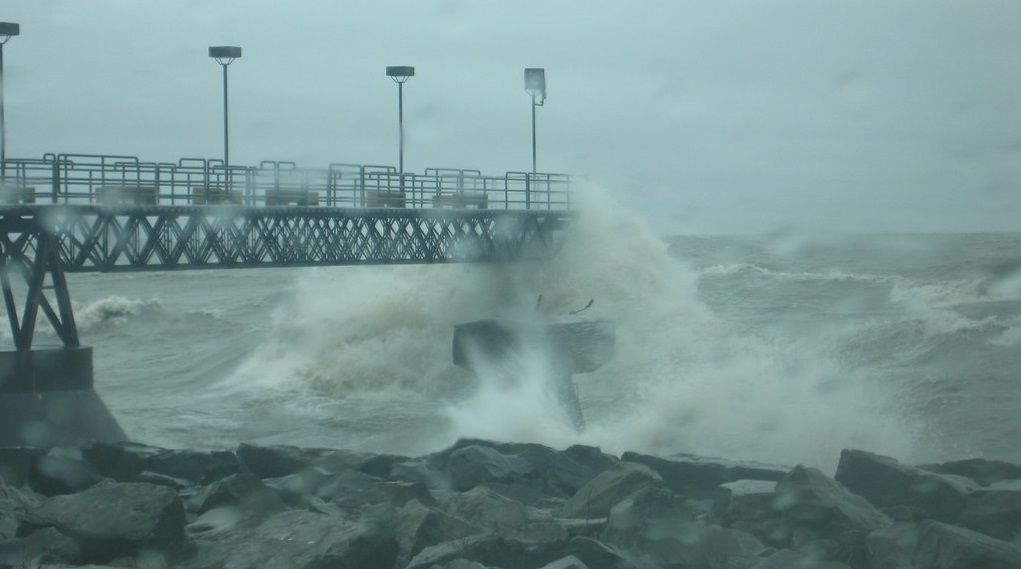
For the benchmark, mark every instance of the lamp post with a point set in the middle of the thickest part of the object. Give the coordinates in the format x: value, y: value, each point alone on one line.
x: 7, y: 31
x: 400, y: 74
x: 225, y: 55
x: 535, y: 85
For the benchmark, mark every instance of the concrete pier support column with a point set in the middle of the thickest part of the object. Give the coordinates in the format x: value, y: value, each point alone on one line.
x: 47, y: 399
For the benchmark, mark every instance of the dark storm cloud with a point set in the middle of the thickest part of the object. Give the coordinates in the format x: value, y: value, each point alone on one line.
x: 709, y: 116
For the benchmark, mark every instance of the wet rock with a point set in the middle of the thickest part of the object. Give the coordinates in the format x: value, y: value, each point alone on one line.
x: 489, y: 510
x: 419, y: 526
x: 819, y: 506
x: 944, y: 546
x: 123, y: 462
x: 395, y: 494
x: 14, y: 504
x: 893, y: 547
x: 981, y: 470
x: 789, y: 559
x: 460, y: 564
x: 569, y: 562
x: 598, y: 555
x: 646, y: 517
x: 116, y: 516
x: 300, y: 540
x: 17, y: 465
x: 489, y: 550
x: 243, y: 490
x: 476, y: 464
x: 745, y: 500
x: 599, y: 495
x: 696, y: 476
x: 312, y: 482
x: 888, y: 483
x: 276, y: 461
x: 995, y: 510
x: 44, y: 546
x: 194, y: 466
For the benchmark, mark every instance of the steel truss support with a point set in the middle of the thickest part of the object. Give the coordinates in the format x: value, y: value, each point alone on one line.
x: 44, y: 261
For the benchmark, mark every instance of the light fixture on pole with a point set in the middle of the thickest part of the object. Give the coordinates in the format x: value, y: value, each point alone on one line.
x: 535, y: 85
x: 400, y: 74
x: 7, y: 31
x: 225, y: 55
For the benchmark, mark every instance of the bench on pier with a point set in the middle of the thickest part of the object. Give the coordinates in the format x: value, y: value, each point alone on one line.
x: 12, y: 194
x: 384, y: 199
x: 213, y: 195
x: 288, y: 197
x: 111, y: 195
x: 462, y: 200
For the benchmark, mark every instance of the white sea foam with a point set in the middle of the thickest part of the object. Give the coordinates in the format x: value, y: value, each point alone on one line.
x: 681, y: 379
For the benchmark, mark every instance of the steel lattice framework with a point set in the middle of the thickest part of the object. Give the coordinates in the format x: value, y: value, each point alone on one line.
x: 36, y: 241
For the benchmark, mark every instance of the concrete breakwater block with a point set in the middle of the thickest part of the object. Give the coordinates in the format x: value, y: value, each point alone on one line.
x: 46, y: 400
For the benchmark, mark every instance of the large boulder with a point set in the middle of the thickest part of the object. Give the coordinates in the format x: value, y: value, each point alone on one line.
x: 276, y: 461
x: 598, y: 555
x: 699, y: 476
x: 419, y: 526
x: 116, y: 517
x: 476, y: 464
x: 244, y: 491
x: 490, y: 511
x: 797, y: 559
x: 599, y: 495
x: 893, y: 547
x: 395, y: 494
x: 14, y: 504
x: 944, y: 546
x: 889, y: 484
x: 647, y: 517
x: 134, y: 462
x: 995, y: 510
x: 48, y: 545
x: 819, y: 506
x: 569, y: 562
x: 299, y: 540
x: 744, y: 500
x: 489, y: 550
x: 981, y: 470
x: 17, y: 465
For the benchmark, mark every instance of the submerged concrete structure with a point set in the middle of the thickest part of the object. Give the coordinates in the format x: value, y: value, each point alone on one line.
x: 557, y: 350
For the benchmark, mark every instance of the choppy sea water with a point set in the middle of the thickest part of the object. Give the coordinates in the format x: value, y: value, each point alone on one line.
x: 781, y: 348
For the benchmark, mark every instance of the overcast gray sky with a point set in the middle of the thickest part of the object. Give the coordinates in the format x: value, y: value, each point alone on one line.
x: 707, y: 115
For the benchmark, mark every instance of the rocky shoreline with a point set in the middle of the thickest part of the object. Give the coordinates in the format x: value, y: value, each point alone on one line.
x: 482, y: 504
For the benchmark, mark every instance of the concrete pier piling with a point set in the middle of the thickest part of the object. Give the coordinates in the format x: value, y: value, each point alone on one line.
x: 562, y: 348
x: 47, y: 399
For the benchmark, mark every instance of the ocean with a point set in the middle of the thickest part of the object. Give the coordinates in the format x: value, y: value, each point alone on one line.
x: 783, y: 348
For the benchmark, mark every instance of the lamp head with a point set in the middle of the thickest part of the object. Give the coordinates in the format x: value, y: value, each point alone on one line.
x: 400, y: 73
x: 8, y: 30
x: 225, y: 54
x: 535, y: 82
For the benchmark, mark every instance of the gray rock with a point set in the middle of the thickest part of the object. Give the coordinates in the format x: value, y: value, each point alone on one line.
x: 460, y: 564
x: 299, y: 540
x: 243, y: 490
x: 893, y: 547
x: 647, y: 517
x: 887, y: 484
x: 569, y: 562
x: 815, y: 503
x: 599, y: 495
x: 116, y: 515
x: 395, y: 494
x: 597, y: 555
x: 14, y: 504
x: 298, y: 487
x: 789, y: 559
x: 44, y: 546
x: 476, y: 464
x: 746, y: 500
x: 419, y: 526
x: 981, y: 470
x: 62, y: 471
x: 17, y: 464
x: 995, y: 510
x: 193, y: 466
x: 489, y: 549
x: 943, y: 546
x: 698, y: 476
x: 276, y: 461
x: 489, y: 510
